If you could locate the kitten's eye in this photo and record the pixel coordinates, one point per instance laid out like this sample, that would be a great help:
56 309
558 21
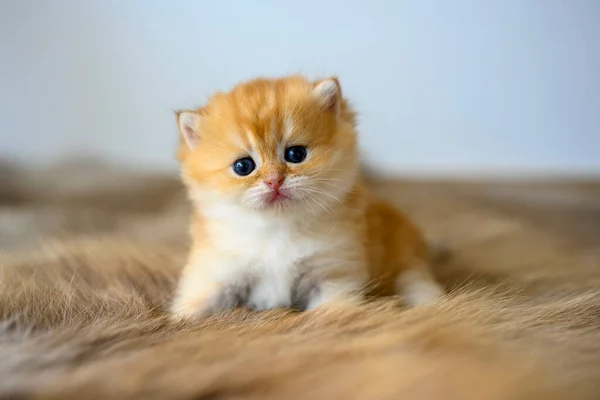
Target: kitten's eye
295 154
244 166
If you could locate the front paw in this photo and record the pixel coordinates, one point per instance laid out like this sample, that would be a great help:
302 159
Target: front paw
338 293
267 297
198 305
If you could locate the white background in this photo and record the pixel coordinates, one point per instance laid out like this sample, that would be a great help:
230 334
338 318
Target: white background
440 85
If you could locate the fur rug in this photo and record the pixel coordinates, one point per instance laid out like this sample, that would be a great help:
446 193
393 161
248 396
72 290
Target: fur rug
90 256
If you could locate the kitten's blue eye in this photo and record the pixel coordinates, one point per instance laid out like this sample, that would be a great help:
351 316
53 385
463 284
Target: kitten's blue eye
244 166
295 154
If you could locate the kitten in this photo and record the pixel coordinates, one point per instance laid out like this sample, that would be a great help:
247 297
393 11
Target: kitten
281 217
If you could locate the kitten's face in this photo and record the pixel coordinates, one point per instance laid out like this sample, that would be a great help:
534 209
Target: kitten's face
271 145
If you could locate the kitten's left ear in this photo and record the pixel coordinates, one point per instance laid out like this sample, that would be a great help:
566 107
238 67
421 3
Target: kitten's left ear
189 126
329 92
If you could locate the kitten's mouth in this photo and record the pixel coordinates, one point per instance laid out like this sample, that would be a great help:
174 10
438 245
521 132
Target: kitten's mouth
277 197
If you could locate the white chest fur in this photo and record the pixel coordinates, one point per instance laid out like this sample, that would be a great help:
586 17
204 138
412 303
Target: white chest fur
268 255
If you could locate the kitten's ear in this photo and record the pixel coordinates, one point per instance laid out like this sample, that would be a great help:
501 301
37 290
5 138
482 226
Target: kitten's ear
329 92
189 126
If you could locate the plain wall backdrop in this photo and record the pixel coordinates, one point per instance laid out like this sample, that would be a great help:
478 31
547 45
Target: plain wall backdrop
440 85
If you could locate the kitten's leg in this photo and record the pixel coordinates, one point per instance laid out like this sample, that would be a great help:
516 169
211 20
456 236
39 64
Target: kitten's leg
201 297
199 294
418 285
269 293
329 290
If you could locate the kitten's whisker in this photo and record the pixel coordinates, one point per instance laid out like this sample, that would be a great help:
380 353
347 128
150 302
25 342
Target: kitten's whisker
324 182
326 194
323 177
332 169
305 201
335 186
318 202
326 179
323 204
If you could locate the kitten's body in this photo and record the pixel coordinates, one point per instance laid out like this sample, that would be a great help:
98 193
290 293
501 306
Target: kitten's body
327 238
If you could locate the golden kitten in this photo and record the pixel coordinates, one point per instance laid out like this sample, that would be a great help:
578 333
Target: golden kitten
281 217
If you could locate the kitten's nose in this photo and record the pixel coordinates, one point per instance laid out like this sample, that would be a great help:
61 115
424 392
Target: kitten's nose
274 181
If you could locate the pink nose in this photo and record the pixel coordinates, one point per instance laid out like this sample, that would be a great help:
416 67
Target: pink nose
274 182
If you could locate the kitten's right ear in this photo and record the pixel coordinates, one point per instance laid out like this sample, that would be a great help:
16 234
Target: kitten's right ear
329 93
189 126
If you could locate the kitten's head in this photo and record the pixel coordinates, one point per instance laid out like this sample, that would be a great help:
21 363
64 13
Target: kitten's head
271 145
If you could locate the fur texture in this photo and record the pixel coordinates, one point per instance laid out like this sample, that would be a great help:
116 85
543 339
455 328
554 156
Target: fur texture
288 232
83 296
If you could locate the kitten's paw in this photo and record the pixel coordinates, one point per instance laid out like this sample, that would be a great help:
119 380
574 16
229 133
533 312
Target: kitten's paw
267 297
333 292
418 287
197 306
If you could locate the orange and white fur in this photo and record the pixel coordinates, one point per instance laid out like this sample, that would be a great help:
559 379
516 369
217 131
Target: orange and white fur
281 217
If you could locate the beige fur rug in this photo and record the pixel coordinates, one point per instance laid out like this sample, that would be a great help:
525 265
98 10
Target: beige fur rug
89 257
